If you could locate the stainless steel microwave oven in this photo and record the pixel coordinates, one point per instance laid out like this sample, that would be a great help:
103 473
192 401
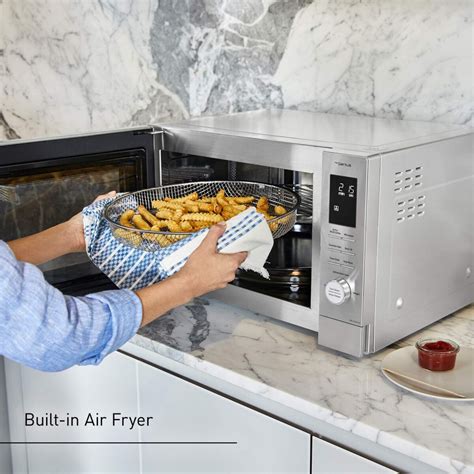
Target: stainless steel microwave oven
383 244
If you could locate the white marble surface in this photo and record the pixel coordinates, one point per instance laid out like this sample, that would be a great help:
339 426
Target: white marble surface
76 66
284 364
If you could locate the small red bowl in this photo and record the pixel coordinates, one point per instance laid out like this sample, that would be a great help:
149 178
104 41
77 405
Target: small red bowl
437 354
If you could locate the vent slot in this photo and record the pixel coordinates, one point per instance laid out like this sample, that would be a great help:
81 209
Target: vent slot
414 206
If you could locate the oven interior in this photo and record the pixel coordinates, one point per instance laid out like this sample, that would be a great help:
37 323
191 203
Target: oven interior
41 194
289 263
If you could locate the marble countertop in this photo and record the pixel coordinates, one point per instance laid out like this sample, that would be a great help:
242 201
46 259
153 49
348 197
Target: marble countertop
284 364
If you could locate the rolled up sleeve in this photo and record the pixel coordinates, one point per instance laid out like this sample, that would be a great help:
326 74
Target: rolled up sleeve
46 330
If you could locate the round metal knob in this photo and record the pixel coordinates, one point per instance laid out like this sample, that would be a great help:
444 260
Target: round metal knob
338 291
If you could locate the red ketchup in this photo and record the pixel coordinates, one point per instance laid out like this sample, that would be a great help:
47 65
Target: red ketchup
437 354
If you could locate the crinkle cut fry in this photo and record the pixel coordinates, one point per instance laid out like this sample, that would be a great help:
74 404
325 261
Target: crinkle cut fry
189 197
202 217
167 205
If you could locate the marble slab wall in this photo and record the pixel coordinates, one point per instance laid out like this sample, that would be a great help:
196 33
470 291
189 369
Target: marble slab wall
73 66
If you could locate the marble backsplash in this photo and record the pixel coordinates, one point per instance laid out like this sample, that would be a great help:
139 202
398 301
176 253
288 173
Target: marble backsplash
73 66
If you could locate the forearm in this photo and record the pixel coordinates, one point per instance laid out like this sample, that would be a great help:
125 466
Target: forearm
46 245
160 298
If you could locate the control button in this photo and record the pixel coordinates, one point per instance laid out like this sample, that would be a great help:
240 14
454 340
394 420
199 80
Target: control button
347 260
347 240
349 236
338 291
334 232
334 258
345 252
347 267
335 244
348 247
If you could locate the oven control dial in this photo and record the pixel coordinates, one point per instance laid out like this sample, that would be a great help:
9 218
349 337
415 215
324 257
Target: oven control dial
338 291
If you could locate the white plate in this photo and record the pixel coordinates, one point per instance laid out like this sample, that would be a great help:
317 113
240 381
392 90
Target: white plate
459 380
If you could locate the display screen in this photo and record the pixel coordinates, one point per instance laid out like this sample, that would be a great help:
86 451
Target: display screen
342 200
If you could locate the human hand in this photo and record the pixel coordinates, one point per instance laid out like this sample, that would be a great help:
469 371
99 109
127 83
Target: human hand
75 228
207 270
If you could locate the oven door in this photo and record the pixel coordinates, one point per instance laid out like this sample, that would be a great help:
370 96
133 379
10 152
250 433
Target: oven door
198 154
45 182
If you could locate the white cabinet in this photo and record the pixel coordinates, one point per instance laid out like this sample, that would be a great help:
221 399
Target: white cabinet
181 411
5 454
328 458
186 412
104 389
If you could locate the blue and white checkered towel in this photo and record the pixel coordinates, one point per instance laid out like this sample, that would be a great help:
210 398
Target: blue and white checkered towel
132 269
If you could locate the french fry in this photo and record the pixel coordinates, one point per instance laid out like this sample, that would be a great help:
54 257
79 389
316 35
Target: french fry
220 198
133 238
171 225
262 203
202 217
189 197
174 226
165 214
200 225
242 199
279 210
140 223
161 239
186 226
178 214
167 205
125 218
236 208
147 215
162 224
191 206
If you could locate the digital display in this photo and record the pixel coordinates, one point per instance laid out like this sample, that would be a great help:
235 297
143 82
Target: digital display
342 200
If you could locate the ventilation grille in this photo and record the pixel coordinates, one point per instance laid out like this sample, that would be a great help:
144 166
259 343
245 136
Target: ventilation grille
413 205
408 180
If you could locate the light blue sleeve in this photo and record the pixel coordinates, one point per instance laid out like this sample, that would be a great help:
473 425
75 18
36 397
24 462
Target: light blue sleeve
46 330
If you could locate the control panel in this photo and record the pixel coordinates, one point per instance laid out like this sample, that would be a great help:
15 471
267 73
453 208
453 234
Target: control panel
342 221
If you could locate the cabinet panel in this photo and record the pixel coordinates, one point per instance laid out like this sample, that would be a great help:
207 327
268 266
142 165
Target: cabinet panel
104 389
328 458
186 412
5 454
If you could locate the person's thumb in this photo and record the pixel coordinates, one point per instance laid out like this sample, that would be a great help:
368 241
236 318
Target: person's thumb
215 232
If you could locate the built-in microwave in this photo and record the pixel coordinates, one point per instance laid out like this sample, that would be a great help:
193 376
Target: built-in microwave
383 242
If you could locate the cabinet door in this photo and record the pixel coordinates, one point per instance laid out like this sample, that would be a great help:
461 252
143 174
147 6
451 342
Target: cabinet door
5 454
183 411
329 458
104 389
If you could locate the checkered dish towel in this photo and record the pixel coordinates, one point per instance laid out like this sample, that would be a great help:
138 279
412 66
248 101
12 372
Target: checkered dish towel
132 269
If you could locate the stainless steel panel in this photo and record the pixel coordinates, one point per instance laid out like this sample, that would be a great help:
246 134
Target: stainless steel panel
241 149
342 337
423 261
340 132
268 306
337 263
